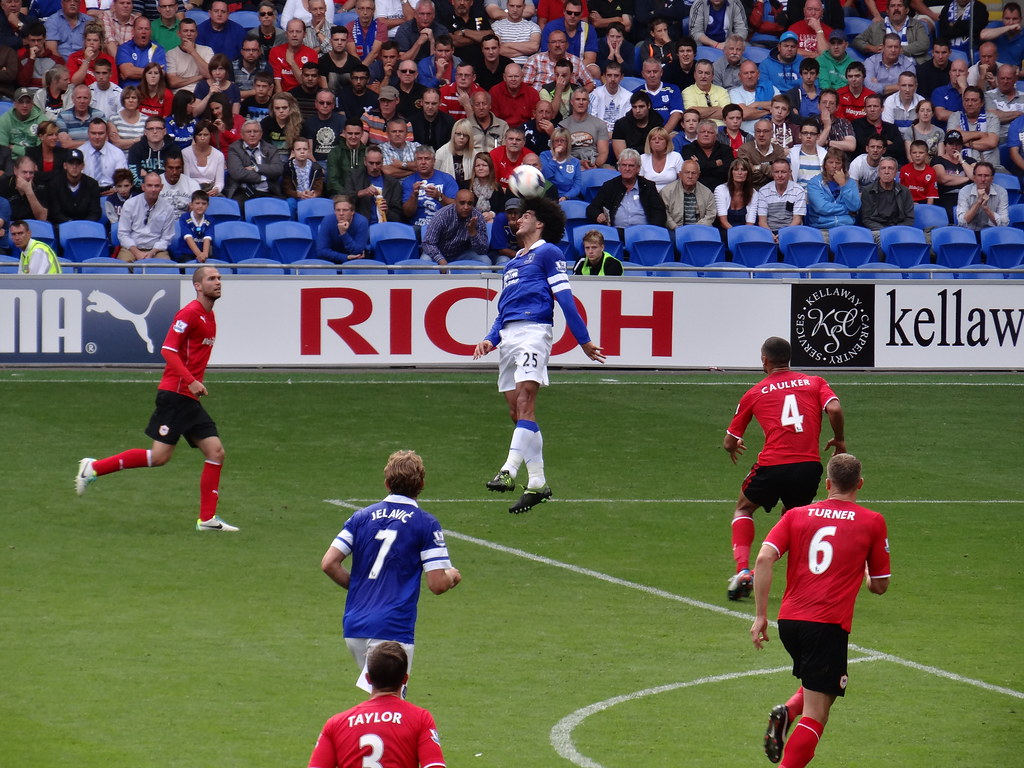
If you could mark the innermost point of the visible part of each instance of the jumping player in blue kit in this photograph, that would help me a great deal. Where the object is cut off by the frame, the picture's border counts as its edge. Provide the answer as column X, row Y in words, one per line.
column 531, row 284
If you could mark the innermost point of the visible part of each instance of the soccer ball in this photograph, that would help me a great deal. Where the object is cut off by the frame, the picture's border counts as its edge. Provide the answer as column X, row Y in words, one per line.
column 526, row 181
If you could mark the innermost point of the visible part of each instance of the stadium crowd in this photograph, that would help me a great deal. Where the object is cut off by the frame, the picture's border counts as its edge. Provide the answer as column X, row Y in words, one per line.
column 719, row 112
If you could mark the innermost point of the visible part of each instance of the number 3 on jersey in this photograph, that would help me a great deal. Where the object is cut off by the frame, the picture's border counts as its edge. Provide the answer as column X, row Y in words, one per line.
column 387, row 538
column 791, row 416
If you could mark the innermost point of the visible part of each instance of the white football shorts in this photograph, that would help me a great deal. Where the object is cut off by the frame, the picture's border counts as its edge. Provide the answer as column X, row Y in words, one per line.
column 523, row 354
column 360, row 647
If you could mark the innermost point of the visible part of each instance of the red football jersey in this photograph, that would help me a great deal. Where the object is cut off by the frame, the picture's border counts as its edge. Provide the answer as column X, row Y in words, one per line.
column 191, row 336
column 828, row 543
column 277, row 60
column 788, row 407
column 851, row 107
column 385, row 731
column 922, row 184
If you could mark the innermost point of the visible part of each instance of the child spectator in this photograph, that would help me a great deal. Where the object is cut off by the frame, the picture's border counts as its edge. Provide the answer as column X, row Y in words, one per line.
column 196, row 240
column 919, row 177
column 303, row 178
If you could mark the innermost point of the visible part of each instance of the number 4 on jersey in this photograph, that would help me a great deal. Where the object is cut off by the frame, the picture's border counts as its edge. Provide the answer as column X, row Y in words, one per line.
column 791, row 415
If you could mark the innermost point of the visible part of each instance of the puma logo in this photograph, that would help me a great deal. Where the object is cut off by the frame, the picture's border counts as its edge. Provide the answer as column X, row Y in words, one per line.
column 104, row 303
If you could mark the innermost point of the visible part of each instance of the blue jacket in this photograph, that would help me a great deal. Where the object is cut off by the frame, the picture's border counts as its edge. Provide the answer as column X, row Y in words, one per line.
column 333, row 246
column 567, row 176
column 782, row 76
column 825, row 211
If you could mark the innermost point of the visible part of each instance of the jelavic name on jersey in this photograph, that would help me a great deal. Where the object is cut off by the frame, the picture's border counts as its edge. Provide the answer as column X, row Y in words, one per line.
column 786, row 385
column 392, row 514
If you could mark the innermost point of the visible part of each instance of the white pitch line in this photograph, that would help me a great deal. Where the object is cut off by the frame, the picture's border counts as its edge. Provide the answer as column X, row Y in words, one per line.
column 704, row 501
column 655, row 592
column 17, row 379
column 561, row 733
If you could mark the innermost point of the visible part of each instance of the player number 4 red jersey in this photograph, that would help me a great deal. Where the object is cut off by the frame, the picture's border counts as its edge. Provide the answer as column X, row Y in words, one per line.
column 788, row 406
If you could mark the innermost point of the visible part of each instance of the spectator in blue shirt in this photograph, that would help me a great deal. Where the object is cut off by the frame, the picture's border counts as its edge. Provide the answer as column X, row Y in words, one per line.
column 220, row 33
column 65, row 30
column 344, row 236
column 133, row 56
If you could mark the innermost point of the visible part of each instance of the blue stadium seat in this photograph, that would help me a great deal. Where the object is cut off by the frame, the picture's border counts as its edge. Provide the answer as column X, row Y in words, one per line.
column 246, row 19
column 265, row 210
column 223, row 209
column 236, row 241
column 1011, row 184
column 955, row 247
column 670, row 269
column 593, row 178
column 156, row 267
column 575, row 214
column 343, row 18
column 828, row 271
column 103, row 265
column 311, row 211
column 648, row 245
column 756, row 53
column 699, row 245
column 197, row 15
column 43, row 231
column 632, row 84
column 709, row 53
column 852, row 246
column 752, row 246
column 904, row 247
column 392, row 242
column 612, row 244
column 9, row 265
column 415, row 267
column 927, row 216
column 308, row 267
column 854, row 26
column 81, row 240
column 1003, row 246
column 289, row 241
column 364, row 267
column 1016, row 213
column 802, row 246
column 258, row 266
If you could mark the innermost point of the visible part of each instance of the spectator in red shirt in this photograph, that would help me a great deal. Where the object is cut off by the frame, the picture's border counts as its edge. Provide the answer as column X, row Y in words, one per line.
column 512, row 101
column 286, row 60
column 919, row 177
column 509, row 155
column 455, row 97
column 852, row 95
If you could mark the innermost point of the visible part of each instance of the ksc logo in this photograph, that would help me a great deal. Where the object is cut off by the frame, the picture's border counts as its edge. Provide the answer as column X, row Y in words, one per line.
column 833, row 325
column 75, row 319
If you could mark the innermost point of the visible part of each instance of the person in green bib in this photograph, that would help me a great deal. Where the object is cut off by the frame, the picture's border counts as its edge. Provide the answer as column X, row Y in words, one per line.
column 596, row 260
column 37, row 258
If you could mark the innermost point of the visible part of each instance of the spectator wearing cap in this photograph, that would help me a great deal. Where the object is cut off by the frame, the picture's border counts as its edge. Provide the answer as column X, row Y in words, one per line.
column 73, row 196
column 375, row 122
column 914, row 38
column 18, row 124
column 782, row 67
column 834, row 61
column 953, row 171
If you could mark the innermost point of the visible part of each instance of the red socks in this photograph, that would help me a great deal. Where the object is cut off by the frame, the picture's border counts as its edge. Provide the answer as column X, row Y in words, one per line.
column 795, row 705
column 802, row 742
column 131, row 459
column 742, row 540
column 209, row 482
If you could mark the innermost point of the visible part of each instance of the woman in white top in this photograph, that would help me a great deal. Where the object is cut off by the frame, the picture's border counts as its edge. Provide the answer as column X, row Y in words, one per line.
column 203, row 162
column 658, row 163
column 456, row 157
column 734, row 200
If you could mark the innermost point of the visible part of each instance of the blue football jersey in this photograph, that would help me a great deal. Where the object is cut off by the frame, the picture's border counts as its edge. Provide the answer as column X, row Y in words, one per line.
column 531, row 283
column 391, row 544
column 667, row 100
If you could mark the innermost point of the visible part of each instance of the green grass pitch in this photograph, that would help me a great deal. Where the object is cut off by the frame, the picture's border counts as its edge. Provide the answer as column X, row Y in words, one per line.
column 592, row 631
